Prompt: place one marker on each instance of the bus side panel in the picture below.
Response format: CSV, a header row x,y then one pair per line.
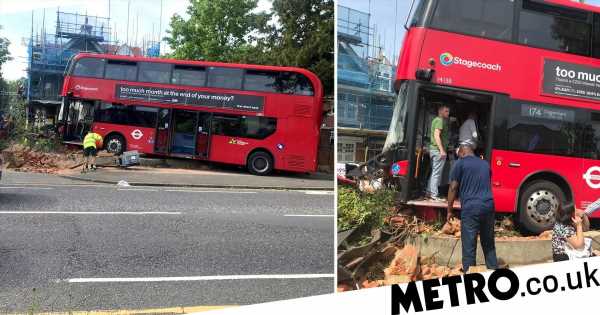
x,y
589,189
301,145
137,138
511,169
230,150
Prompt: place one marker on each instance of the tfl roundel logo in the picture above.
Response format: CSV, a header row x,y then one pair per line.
x,y
446,59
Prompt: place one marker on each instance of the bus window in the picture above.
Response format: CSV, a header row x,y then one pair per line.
x,y
542,129
277,82
138,116
303,85
189,75
563,29
121,70
154,72
225,78
265,81
486,18
254,127
89,67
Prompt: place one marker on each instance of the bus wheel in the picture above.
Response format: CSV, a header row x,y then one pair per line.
x,y
537,206
260,163
115,144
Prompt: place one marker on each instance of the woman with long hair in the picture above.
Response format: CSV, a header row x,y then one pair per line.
x,y
568,231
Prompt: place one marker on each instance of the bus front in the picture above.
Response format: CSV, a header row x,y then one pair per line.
x,y
525,69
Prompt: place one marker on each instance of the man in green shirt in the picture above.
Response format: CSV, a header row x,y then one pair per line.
x,y
437,150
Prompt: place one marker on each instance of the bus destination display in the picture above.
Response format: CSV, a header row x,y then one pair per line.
x,y
188,97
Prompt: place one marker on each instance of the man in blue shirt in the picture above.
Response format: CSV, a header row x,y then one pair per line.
x,y
471,179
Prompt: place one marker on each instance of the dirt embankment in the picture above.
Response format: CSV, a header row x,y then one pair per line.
x,y
24,159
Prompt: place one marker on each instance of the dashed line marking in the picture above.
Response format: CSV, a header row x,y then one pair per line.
x,y
197,278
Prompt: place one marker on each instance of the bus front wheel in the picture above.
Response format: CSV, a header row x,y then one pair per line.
x,y
115,144
260,163
538,204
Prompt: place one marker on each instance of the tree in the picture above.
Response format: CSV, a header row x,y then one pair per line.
x,y
297,33
305,38
216,30
4,53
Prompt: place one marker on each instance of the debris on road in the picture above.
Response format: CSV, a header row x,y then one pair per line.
x,y
123,183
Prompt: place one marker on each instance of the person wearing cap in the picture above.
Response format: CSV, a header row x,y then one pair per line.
x,y
470,179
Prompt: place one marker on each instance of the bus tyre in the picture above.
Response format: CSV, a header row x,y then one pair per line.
x,y
115,144
538,205
260,163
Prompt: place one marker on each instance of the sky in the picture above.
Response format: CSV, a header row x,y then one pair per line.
x,y
15,19
388,17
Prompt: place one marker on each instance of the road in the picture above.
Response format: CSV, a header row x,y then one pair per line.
x,y
66,246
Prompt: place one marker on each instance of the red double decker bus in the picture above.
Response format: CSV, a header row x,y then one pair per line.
x,y
530,70
263,117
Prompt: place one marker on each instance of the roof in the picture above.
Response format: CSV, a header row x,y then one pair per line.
x,y
313,77
575,4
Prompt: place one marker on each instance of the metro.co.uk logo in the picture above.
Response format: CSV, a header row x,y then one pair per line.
x,y
447,59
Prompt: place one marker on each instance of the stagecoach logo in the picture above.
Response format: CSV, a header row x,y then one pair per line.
x,y
447,59
85,88
592,177
237,141
137,134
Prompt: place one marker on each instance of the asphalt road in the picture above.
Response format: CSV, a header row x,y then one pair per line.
x,y
67,247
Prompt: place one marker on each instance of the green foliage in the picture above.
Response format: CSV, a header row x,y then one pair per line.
x,y
305,38
4,53
365,210
297,33
216,30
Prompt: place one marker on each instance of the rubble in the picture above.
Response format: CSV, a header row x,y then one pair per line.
x,y
24,159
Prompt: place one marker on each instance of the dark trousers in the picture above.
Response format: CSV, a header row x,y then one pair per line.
x,y
473,223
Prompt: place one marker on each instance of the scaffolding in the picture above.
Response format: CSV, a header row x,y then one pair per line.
x,y
49,55
365,89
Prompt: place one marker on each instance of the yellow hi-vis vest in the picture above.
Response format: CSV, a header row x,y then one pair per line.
x,y
90,140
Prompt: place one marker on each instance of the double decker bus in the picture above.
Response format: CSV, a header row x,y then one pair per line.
x,y
263,117
530,70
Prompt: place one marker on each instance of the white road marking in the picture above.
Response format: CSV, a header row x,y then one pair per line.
x,y
30,188
94,212
198,278
211,191
309,215
318,192
136,189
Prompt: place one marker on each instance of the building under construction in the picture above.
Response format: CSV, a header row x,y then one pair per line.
x,y
49,53
365,92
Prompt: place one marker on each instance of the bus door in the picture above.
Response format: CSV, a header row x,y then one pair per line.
x,y
203,135
162,131
183,133
461,104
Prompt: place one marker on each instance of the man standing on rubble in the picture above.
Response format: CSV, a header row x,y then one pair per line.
x,y
91,143
471,179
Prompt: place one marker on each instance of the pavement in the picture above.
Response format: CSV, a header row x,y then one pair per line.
x,y
222,178
69,246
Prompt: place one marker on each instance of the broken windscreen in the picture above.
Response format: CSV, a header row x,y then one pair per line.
x,y
398,124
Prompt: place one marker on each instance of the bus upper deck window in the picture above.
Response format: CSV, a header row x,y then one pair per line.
x,y
121,70
89,67
225,78
304,86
